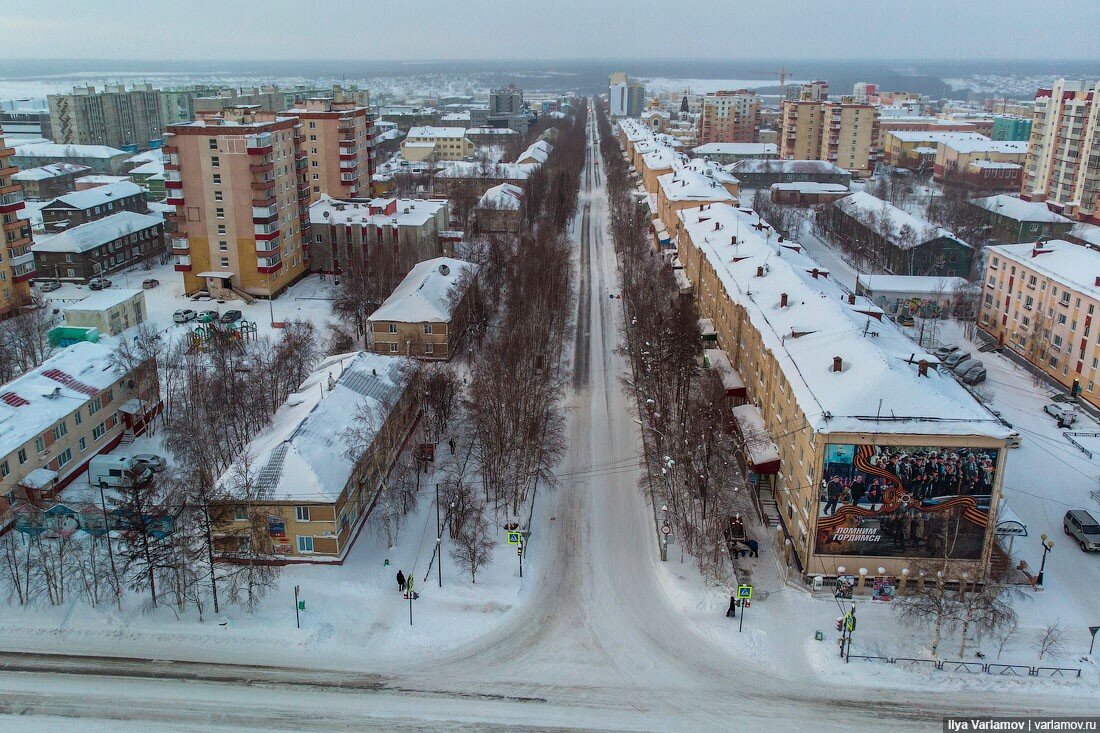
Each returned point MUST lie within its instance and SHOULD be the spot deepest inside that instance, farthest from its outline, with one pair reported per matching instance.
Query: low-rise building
(150, 176)
(1040, 300)
(81, 207)
(756, 173)
(110, 311)
(536, 154)
(100, 247)
(56, 417)
(389, 235)
(926, 296)
(456, 177)
(725, 153)
(49, 181)
(100, 158)
(685, 189)
(806, 193)
(426, 315)
(500, 210)
(916, 149)
(981, 164)
(317, 472)
(485, 136)
(901, 243)
(1012, 219)
(437, 143)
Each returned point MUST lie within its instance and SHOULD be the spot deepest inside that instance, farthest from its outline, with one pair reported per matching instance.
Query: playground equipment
(203, 335)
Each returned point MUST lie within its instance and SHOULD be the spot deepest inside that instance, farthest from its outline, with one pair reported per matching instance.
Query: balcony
(10, 202)
(349, 165)
(261, 144)
(259, 169)
(268, 266)
(183, 263)
(267, 249)
(263, 199)
(174, 200)
(264, 214)
(348, 178)
(267, 184)
(266, 231)
(173, 183)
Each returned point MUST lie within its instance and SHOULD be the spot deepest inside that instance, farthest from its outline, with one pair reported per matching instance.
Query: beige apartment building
(238, 182)
(1041, 300)
(436, 143)
(729, 117)
(338, 139)
(844, 133)
(17, 262)
(1063, 160)
(845, 432)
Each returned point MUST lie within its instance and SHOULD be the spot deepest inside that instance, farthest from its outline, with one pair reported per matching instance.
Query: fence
(945, 665)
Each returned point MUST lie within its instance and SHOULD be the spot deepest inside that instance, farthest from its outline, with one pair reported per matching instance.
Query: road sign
(744, 592)
(666, 528)
(514, 538)
(1094, 629)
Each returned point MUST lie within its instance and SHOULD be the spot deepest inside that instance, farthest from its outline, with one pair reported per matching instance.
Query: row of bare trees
(690, 447)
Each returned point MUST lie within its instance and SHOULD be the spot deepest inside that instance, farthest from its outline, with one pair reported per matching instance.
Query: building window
(4, 469)
(77, 417)
(60, 430)
(301, 513)
(82, 444)
(240, 513)
(217, 195)
(40, 444)
(213, 143)
(22, 454)
(99, 431)
(219, 212)
(316, 176)
(305, 544)
(225, 262)
(64, 457)
(1061, 318)
(215, 162)
(429, 348)
(312, 125)
(428, 328)
(223, 246)
(221, 229)
(217, 178)
(393, 328)
(393, 348)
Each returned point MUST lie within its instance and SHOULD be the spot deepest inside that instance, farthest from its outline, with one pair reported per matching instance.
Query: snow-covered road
(596, 645)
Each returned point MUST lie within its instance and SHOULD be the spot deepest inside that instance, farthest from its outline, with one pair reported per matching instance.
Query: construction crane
(782, 74)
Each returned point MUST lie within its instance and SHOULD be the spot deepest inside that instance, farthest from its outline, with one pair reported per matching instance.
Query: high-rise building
(635, 98)
(626, 98)
(239, 182)
(506, 100)
(1063, 159)
(729, 117)
(814, 91)
(17, 263)
(844, 133)
(337, 138)
(127, 119)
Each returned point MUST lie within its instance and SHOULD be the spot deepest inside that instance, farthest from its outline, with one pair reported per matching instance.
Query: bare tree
(932, 605)
(473, 544)
(1050, 641)
(439, 391)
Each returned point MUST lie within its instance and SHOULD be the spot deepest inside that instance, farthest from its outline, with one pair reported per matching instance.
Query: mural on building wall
(905, 501)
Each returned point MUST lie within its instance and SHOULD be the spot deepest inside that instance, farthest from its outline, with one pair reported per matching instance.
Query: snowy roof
(910, 283)
(92, 197)
(409, 212)
(811, 187)
(1087, 233)
(103, 300)
(878, 388)
(743, 149)
(473, 169)
(994, 164)
(456, 117)
(424, 296)
(32, 403)
(491, 131)
(986, 145)
(786, 167)
(711, 170)
(53, 170)
(152, 168)
(436, 132)
(96, 233)
(935, 136)
(502, 196)
(661, 158)
(689, 185)
(302, 455)
(57, 150)
(538, 152)
(1074, 265)
(100, 179)
(890, 222)
(1019, 210)
(156, 155)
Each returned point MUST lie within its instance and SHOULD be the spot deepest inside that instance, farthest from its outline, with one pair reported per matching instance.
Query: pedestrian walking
(754, 548)
(451, 442)
(400, 580)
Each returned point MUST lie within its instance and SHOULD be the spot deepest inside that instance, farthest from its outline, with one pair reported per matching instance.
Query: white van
(113, 471)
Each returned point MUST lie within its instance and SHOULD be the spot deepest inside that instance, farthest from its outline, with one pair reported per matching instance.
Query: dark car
(231, 316)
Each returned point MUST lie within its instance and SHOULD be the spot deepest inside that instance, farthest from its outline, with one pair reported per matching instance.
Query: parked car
(150, 282)
(975, 375)
(1014, 440)
(1083, 527)
(208, 316)
(952, 360)
(940, 352)
(231, 316)
(152, 460)
(107, 470)
(904, 319)
(98, 283)
(183, 315)
(49, 286)
(964, 366)
(200, 295)
(1065, 416)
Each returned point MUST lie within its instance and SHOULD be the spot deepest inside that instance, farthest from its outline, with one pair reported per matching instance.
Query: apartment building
(119, 117)
(436, 143)
(100, 158)
(1040, 300)
(506, 101)
(845, 133)
(916, 149)
(1014, 220)
(426, 315)
(16, 259)
(840, 416)
(319, 484)
(337, 138)
(238, 180)
(100, 247)
(388, 236)
(729, 117)
(58, 416)
(49, 181)
(1063, 160)
(1011, 128)
(981, 164)
(724, 153)
(90, 204)
(627, 98)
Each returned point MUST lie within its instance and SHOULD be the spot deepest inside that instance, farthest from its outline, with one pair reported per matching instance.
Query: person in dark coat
(754, 548)
(400, 580)
(452, 444)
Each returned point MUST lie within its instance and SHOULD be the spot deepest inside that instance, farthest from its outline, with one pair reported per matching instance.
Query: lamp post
(1048, 545)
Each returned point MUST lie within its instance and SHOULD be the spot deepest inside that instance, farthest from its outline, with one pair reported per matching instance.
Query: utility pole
(438, 539)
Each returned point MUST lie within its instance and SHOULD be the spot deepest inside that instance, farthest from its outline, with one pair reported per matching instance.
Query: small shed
(109, 311)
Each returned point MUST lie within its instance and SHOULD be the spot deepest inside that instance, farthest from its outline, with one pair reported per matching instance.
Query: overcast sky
(550, 29)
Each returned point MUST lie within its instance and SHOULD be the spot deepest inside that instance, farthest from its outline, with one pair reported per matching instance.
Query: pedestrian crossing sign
(744, 592)
(515, 538)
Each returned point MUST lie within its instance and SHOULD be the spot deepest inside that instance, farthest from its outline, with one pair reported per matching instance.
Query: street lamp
(1048, 545)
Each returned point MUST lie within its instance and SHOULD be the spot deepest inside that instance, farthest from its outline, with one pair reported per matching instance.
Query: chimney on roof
(922, 368)
(814, 273)
(760, 271)
(717, 225)
(838, 364)
(733, 239)
(1098, 281)
(782, 300)
(851, 298)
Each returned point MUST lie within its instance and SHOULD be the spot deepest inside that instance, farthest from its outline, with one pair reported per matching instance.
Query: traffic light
(840, 623)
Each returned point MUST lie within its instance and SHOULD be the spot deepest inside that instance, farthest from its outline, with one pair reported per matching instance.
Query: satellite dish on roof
(444, 270)
(325, 214)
